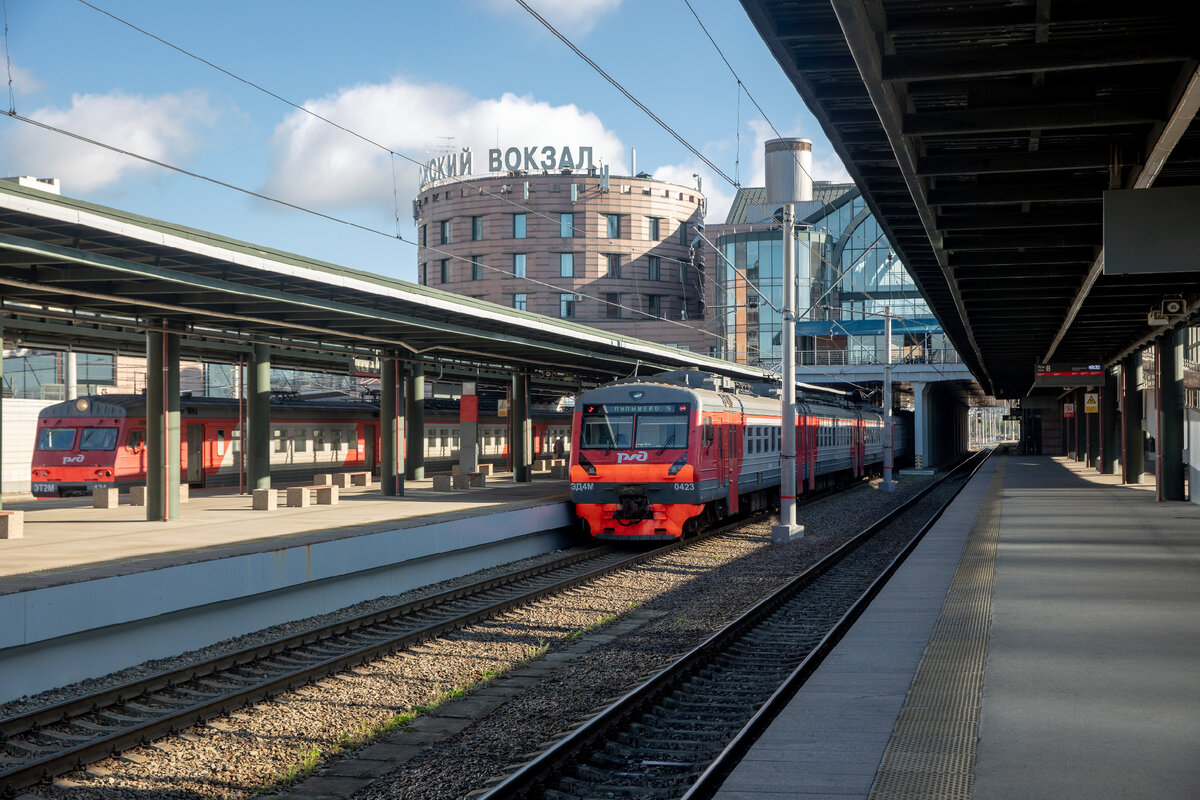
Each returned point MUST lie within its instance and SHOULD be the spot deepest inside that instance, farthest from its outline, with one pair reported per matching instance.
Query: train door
(369, 437)
(195, 455)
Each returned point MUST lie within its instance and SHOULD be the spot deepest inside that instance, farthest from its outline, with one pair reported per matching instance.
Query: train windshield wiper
(670, 441)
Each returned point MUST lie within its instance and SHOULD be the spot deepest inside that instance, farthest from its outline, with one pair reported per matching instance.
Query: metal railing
(856, 358)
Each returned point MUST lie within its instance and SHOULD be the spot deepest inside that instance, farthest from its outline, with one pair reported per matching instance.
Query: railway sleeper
(663, 718)
(26, 749)
(617, 755)
(727, 689)
(655, 772)
(66, 738)
(656, 737)
(714, 704)
(579, 788)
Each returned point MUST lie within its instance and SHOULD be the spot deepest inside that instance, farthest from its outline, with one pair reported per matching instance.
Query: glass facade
(846, 272)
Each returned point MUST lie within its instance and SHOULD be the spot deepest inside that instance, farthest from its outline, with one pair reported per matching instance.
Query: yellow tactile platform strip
(932, 750)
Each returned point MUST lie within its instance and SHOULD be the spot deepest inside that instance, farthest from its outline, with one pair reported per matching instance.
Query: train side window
(136, 440)
(280, 442)
(337, 440)
(707, 439)
(318, 440)
(220, 440)
(300, 440)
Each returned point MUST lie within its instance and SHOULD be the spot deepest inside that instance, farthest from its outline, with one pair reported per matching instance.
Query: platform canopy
(74, 274)
(984, 134)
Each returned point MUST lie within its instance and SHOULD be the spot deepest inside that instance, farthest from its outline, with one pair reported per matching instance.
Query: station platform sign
(1068, 376)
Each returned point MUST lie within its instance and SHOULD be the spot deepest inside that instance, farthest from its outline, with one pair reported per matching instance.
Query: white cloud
(315, 163)
(572, 17)
(718, 193)
(157, 127)
(23, 81)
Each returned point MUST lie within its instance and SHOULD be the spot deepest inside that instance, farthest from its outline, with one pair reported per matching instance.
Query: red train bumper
(667, 521)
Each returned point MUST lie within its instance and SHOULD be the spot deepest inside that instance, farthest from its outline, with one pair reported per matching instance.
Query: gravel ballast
(661, 609)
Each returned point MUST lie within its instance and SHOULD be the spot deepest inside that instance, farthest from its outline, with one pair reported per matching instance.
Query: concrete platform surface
(1082, 599)
(68, 540)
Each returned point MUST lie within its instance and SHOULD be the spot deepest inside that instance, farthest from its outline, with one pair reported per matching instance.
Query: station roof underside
(983, 134)
(76, 274)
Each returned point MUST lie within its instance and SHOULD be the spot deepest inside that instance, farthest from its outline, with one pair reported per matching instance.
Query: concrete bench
(461, 480)
(12, 524)
(442, 483)
(360, 478)
(137, 494)
(541, 465)
(339, 479)
(478, 478)
(559, 471)
(485, 469)
(105, 498)
(265, 499)
(299, 496)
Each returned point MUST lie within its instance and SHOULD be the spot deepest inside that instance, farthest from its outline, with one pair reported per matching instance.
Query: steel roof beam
(1120, 51)
(1050, 117)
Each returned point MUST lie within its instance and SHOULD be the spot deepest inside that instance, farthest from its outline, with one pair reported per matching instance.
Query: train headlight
(678, 465)
(588, 467)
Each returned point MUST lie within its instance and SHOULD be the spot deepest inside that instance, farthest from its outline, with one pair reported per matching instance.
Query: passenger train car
(656, 458)
(100, 441)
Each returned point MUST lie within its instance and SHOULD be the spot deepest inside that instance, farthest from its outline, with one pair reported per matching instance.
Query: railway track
(679, 733)
(56, 739)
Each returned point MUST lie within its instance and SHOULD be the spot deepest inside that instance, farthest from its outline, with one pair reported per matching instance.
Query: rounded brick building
(614, 253)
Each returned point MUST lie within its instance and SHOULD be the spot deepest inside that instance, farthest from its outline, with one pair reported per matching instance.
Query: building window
(476, 267)
(518, 226)
(423, 275)
(682, 272)
(423, 227)
(518, 265)
(566, 225)
(476, 229)
(614, 226)
(566, 305)
(654, 224)
(654, 305)
(444, 264)
(655, 268)
(612, 304)
(566, 265)
(614, 264)
(520, 302)
(445, 231)
(683, 237)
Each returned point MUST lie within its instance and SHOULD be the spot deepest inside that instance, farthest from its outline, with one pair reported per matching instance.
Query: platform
(91, 590)
(1041, 642)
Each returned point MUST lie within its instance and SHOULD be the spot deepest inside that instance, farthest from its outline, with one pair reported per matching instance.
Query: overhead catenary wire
(368, 140)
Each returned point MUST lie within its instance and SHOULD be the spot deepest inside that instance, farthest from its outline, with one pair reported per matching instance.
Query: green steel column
(414, 400)
(1133, 459)
(1170, 415)
(391, 420)
(162, 423)
(1108, 424)
(522, 430)
(258, 418)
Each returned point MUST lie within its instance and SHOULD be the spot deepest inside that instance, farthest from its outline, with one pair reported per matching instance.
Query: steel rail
(531, 777)
(128, 731)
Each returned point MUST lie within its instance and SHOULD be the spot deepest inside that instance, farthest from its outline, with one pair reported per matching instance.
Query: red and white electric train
(656, 458)
(100, 441)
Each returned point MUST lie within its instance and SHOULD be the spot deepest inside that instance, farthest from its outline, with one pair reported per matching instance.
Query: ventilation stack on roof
(789, 171)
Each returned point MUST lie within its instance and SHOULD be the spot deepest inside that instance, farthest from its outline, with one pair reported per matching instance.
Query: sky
(414, 77)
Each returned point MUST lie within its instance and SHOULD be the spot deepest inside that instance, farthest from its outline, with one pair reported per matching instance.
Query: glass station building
(847, 275)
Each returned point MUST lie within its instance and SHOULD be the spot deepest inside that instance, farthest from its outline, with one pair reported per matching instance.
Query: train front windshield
(638, 426)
